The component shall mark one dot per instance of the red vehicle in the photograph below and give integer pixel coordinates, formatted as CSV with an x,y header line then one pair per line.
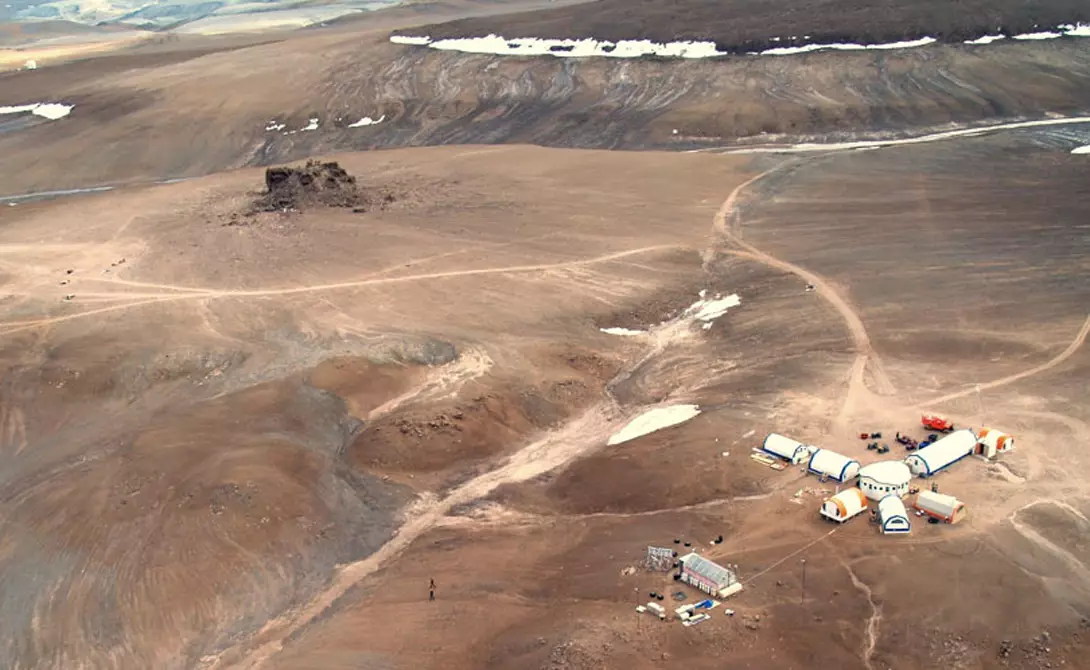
x,y
936,422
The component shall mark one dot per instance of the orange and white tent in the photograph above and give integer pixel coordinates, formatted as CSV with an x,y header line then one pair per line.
x,y
844,505
991,441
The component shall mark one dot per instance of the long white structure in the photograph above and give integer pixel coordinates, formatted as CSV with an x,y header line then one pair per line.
x,y
844,505
784,447
992,441
884,478
943,453
834,465
893,516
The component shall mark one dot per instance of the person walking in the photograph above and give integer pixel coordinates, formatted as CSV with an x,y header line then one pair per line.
x,y
431,589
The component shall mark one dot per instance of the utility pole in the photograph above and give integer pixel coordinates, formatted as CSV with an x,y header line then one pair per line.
x,y
803,598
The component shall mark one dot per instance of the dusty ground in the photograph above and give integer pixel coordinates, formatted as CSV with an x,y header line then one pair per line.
x,y
246,412
235,441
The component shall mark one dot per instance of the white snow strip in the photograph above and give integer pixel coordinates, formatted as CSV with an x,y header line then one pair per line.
x,y
589,47
1081,150
47,110
408,39
1038,36
274,125
923,139
785,51
624,332
656,419
986,39
1076,30
367,121
313,125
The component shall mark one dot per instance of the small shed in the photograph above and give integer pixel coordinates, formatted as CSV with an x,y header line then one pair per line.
x,y
844,505
943,453
784,447
881,479
706,575
834,465
940,506
991,441
893,516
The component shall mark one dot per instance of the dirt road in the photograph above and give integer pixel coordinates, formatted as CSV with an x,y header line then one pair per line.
x,y
727,223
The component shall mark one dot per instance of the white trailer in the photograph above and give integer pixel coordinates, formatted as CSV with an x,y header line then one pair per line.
x,y
940,506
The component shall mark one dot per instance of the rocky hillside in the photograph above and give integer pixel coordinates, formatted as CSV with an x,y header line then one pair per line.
x,y
267,104
742,25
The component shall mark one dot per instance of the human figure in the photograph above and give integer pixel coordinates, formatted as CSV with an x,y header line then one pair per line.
x,y
431,589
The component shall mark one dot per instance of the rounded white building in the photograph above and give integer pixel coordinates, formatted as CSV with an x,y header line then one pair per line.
x,y
879,480
833,465
992,441
784,447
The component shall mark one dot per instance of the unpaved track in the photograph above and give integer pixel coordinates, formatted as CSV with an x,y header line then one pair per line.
x,y
1067,353
881,144
198,293
727,221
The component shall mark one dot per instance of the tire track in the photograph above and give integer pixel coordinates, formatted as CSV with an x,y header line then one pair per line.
x,y
727,221
1080,339
196,293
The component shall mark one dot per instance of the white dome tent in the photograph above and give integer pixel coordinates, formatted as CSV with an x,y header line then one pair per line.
x,y
844,505
833,465
884,478
784,447
943,453
893,516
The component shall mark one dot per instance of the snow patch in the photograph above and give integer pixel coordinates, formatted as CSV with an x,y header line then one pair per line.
x,y
30,65
408,39
708,310
656,419
313,125
1038,36
46,110
1081,150
625,332
986,39
367,121
785,51
274,126
1076,30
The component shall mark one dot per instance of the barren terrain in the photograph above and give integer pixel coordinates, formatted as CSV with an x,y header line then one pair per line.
x,y
245,429
743,25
